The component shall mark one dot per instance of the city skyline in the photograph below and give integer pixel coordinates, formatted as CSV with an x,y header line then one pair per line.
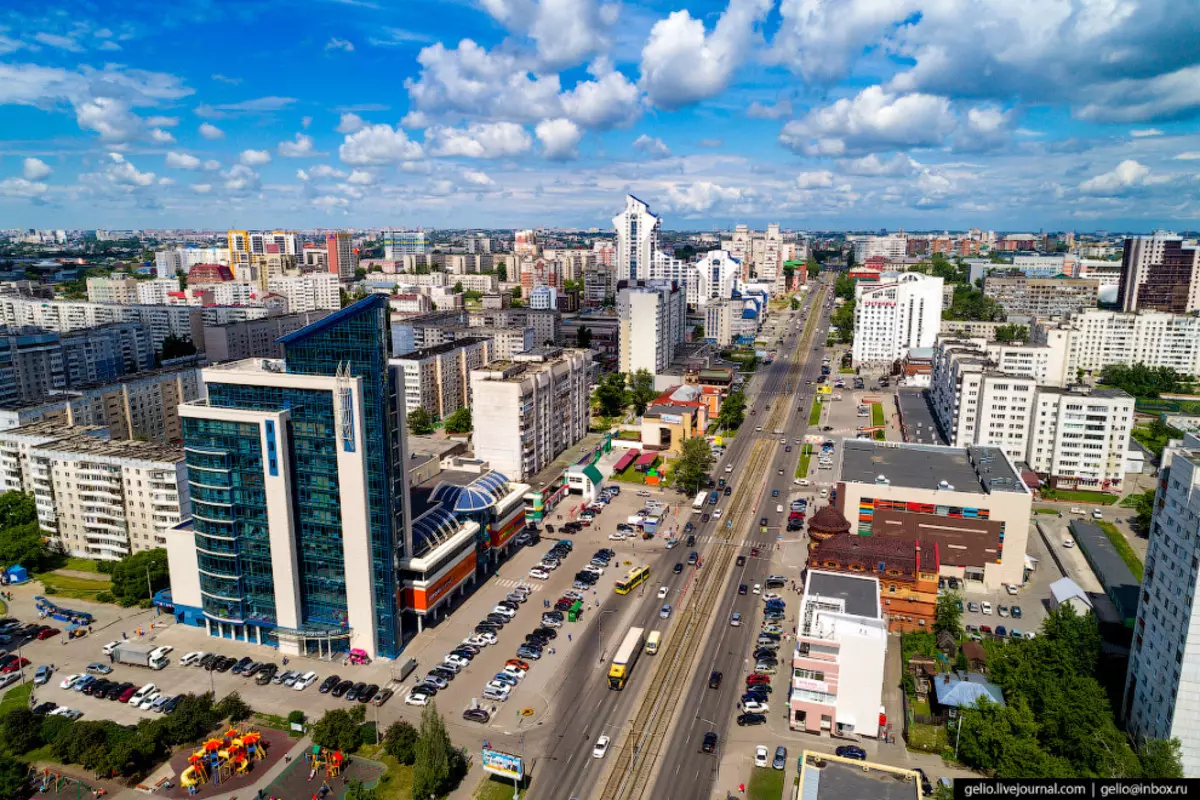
x,y
509,113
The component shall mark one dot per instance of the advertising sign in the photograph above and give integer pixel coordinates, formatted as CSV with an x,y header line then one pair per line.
x,y
502,764
672,419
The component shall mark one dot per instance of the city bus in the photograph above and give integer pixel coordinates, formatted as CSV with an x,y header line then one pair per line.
x,y
626,657
698,503
636,577
652,642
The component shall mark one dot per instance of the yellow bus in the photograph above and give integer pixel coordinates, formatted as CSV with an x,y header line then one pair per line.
x,y
636,577
626,657
652,642
825,389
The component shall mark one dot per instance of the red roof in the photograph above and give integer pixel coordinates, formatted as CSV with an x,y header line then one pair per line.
x,y
624,461
645,460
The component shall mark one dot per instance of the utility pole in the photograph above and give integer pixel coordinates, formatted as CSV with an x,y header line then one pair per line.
x,y
149,586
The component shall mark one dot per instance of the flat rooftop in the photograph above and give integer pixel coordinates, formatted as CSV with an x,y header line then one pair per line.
x,y
861,595
439,349
835,780
924,466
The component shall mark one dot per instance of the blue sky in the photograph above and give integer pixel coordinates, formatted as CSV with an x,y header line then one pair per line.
x,y
820,114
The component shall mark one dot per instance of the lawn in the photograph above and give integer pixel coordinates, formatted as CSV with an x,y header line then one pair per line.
x,y
846,370
69,586
877,418
1123,549
16,697
1045,511
806,452
495,788
1079,496
765,784
83,565
396,783
927,738
814,416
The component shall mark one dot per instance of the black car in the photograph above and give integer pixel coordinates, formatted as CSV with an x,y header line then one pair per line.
x,y
741,561
476,715
266,674
751,719
691,541
469,650
693,557
366,694
486,627
558,615
678,569
253,668
208,661
690,527
710,742
533,638
172,703
509,604
242,663
462,652
45,708
851,751
352,692
341,688
444,674
741,588
549,633
728,491
714,680
328,684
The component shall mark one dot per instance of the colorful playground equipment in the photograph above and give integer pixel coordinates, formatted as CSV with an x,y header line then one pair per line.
x,y
218,760
332,761
47,781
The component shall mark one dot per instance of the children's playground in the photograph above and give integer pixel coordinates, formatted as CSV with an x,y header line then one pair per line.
x,y
226,762
57,784
324,774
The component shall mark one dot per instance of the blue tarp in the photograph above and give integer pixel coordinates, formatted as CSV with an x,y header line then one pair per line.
x,y
963,690
16,574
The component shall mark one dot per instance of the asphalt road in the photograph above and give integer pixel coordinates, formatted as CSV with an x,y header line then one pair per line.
x,y
568,769
685,772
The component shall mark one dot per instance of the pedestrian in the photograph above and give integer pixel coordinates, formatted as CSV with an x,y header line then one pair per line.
x,y
568,637
123,636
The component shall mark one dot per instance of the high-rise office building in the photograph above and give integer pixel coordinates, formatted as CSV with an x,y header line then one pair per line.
x,y
902,311
1163,680
300,510
1160,272
398,244
637,239
340,257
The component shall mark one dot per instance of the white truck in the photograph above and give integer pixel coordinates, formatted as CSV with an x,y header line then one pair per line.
x,y
139,656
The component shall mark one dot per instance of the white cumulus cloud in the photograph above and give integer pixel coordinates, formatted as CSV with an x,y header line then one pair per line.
x,y
255,158
1129,174
300,147
340,44
35,169
559,138
701,197
477,178
350,123
159,136
182,160
814,180
361,177
609,100
651,146
872,120
20,187
478,140
378,145
210,131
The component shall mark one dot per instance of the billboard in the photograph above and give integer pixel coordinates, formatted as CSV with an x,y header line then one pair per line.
x,y
671,419
502,764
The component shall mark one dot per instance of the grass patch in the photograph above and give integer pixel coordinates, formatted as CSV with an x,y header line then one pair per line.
x,y
276,722
928,738
1131,501
1123,549
806,452
1155,438
496,788
1079,496
396,783
3,608
814,415
845,370
877,418
69,586
16,697
82,565
1045,511
765,784
920,707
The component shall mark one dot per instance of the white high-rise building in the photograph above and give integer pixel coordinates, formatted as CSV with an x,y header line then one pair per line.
x,y
719,321
285,243
1079,437
650,325
1162,685
528,410
437,379
894,245
168,263
156,292
1094,339
667,268
117,288
312,292
637,239
714,277
902,311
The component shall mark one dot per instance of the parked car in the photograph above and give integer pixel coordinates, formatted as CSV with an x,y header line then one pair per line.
x,y
851,751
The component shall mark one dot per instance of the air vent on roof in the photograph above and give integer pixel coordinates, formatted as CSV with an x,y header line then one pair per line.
x,y
881,480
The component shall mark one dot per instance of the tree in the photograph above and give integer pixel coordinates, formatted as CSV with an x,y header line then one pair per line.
x,y
641,390
843,287
355,790
1142,381
337,730
16,508
360,273
400,742
501,271
1143,506
970,303
459,421
694,463
947,616
733,411
233,708
129,575
698,332
458,287
24,545
843,319
22,730
431,769
583,337
176,347
420,422
516,292
812,267
13,776
795,304
611,394
1012,333
1160,758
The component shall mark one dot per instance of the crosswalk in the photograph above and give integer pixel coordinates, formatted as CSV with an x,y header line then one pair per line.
x,y
510,583
763,543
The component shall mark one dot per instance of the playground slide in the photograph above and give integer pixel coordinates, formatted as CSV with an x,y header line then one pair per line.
x,y
188,778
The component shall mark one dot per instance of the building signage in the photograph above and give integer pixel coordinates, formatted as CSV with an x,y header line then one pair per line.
x,y
811,685
503,764
671,419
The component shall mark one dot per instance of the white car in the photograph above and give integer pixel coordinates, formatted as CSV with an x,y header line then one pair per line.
x,y
986,606
755,707
548,566
801,481
497,686
193,657
769,596
69,681
594,569
454,658
523,589
304,681
601,748
643,493
717,514
778,509
540,574
735,619
515,671
663,591
504,611
1096,514
616,537
824,493
148,700
160,652
1077,510
757,589
481,639
761,756
1068,542
108,648
1011,588
416,698
729,468
141,694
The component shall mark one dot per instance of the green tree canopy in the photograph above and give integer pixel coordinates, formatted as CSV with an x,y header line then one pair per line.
x,y
733,411
695,460
16,508
842,318
432,769
400,742
843,287
459,421
336,729
129,575
1012,333
947,616
970,303
1142,381
611,394
176,347
641,390
501,271
583,336
458,287
420,422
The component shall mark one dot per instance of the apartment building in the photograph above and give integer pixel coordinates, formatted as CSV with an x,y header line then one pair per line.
x,y
340,257
1079,436
838,663
902,311
506,342
312,292
257,338
1160,272
173,261
66,316
116,288
157,291
437,379
651,320
35,364
299,499
638,233
713,278
968,501
719,321
397,244
893,245
544,298
1094,339
1041,297
415,303
529,409
1162,683
546,324
599,284
95,497
1106,273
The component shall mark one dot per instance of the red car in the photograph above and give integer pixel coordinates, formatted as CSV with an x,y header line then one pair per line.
x,y
754,551
47,633
755,678
15,664
128,693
